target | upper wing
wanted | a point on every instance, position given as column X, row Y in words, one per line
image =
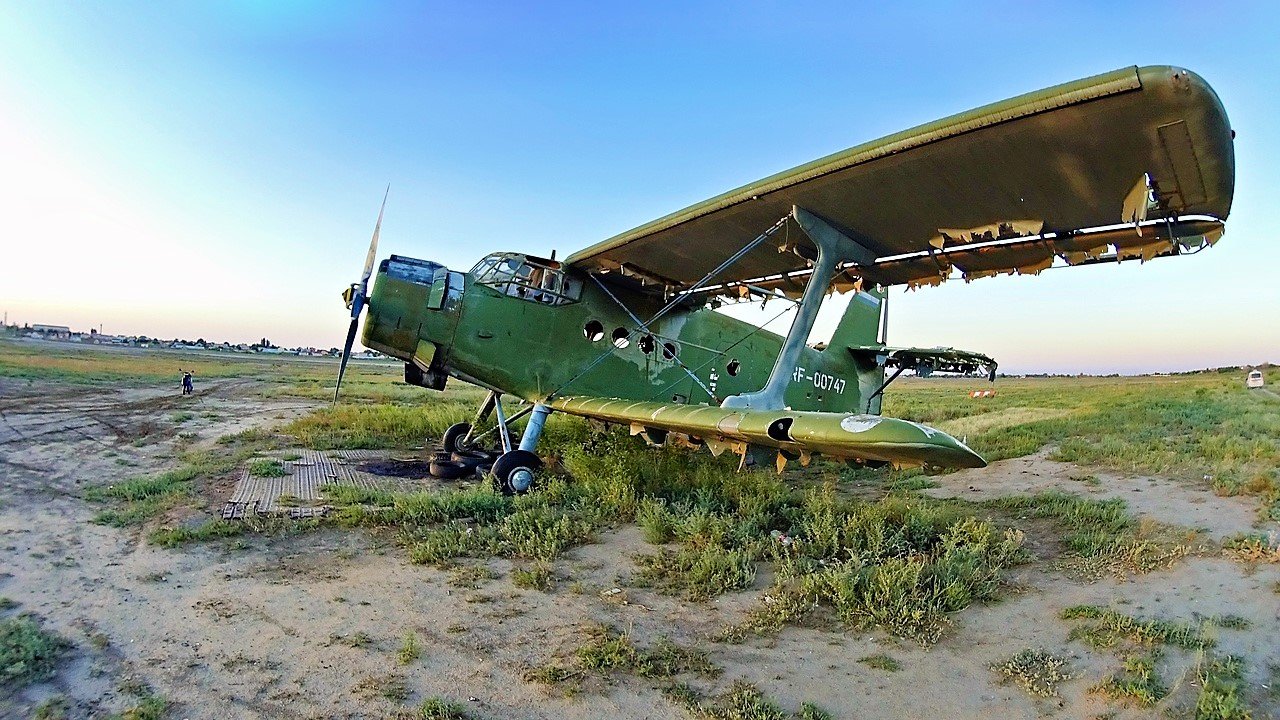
column 1003, row 188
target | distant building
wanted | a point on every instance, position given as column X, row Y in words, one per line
column 59, row 332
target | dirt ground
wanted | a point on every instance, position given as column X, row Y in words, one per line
column 268, row 626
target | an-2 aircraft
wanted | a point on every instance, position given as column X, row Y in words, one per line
column 1132, row 164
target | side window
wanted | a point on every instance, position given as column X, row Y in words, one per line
column 453, row 295
column 439, row 287
column 572, row 289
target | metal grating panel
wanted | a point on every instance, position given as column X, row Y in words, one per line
column 304, row 480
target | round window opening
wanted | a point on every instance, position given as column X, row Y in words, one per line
column 621, row 338
column 593, row 330
column 669, row 351
column 734, row 367
column 647, row 344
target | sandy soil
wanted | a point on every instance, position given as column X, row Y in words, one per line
column 263, row 628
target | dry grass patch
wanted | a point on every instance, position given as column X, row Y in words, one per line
column 1001, row 419
column 1253, row 548
column 742, row 701
column 1101, row 536
column 608, row 651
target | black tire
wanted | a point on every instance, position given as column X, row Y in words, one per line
column 450, row 470
column 471, row 458
column 453, row 437
column 507, row 465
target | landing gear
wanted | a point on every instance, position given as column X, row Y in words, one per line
column 514, row 472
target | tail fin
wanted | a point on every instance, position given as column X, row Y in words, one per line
column 864, row 321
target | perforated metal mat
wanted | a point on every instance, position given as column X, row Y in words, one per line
column 297, row 494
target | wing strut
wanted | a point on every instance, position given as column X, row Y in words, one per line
column 834, row 248
column 719, row 269
column 679, row 298
column 884, row 385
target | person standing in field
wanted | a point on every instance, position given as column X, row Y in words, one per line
column 188, row 387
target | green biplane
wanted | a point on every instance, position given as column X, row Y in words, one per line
column 1133, row 164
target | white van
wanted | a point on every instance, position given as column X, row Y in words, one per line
column 1254, row 380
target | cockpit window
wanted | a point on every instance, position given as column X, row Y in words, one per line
column 527, row 278
column 410, row 269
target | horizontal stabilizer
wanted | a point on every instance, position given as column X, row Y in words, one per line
column 926, row 361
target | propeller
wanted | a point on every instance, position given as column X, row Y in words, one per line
column 356, row 296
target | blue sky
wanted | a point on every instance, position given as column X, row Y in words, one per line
column 215, row 169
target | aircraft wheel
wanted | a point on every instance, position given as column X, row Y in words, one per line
column 452, row 441
column 514, row 472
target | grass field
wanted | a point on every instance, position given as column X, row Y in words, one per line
column 843, row 549
column 1203, row 427
column 284, row 376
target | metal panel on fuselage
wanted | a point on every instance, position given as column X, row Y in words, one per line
column 531, row 349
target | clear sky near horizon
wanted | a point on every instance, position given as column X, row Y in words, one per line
column 214, row 169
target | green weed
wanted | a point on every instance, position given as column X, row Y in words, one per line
column 376, row 425
column 149, row 707
column 469, row 577
column 409, row 650
column 211, row 530
column 902, row 564
column 358, row 639
column 386, row 687
column 1221, row 687
column 608, row 651
column 28, row 653
column 742, row 701
column 54, row 708
column 1101, row 536
column 697, row 573
column 881, row 662
column 1110, row 628
column 435, row 708
column 138, row 500
column 1137, row 683
column 267, row 468
column 1037, row 671
column 536, row 576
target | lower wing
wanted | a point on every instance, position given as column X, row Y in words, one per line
column 857, row 437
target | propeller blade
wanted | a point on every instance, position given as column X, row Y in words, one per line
column 373, row 245
column 346, row 355
column 357, row 295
